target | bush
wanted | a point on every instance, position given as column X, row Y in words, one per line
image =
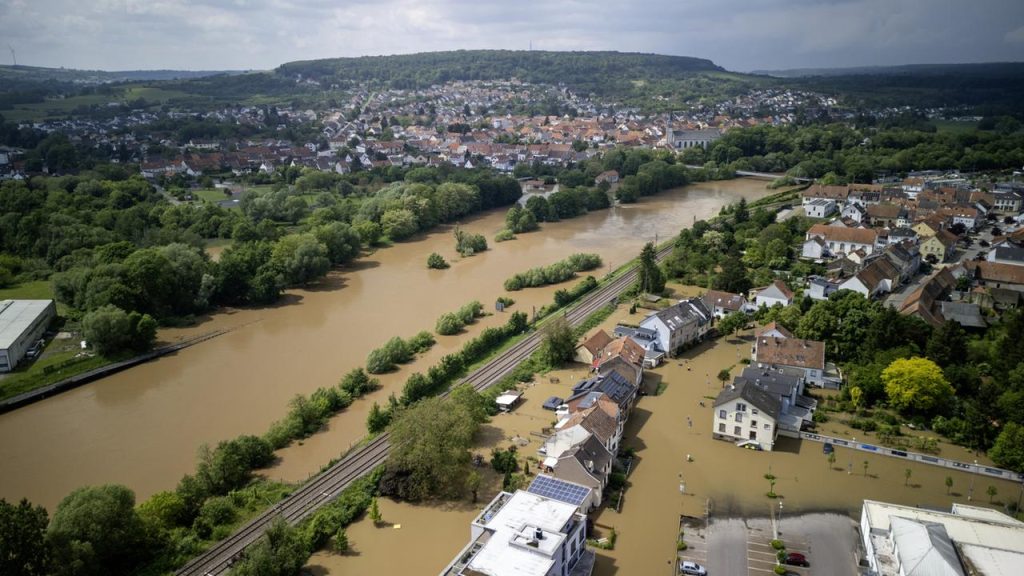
column 553, row 274
column 421, row 342
column 384, row 359
column 436, row 262
column 448, row 324
column 780, row 570
column 778, row 545
column 504, row 236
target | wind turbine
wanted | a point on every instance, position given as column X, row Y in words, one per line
column 14, row 57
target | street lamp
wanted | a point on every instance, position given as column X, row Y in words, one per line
column 780, row 516
column 974, row 472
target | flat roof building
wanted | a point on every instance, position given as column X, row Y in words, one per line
column 22, row 322
column 907, row 541
column 525, row 534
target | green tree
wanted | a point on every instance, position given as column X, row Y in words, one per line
column 281, row 551
column 559, row 343
column 23, row 546
column 473, row 484
column 916, row 385
column 949, row 484
column 107, row 329
column 340, row 541
column 733, row 277
column 96, row 530
column 1008, row 450
column 378, row 419
column 947, row 344
column 301, row 258
column 906, row 475
column 650, row 278
column 399, row 224
column 342, row 242
column 991, row 491
column 375, row 511
column 732, row 323
column 429, row 455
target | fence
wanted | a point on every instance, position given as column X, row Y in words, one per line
column 915, row 457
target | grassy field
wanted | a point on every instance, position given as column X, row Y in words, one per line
column 210, row 194
column 954, row 127
column 63, row 107
column 37, row 290
column 50, row 368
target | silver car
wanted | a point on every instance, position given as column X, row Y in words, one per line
column 692, row 568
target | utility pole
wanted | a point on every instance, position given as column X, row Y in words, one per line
column 14, row 56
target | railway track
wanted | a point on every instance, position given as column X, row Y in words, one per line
column 329, row 483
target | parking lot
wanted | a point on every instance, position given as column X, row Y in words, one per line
column 733, row 546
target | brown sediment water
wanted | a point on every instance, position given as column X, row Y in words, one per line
column 722, row 479
column 142, row 427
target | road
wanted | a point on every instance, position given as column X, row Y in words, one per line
column 329, row 484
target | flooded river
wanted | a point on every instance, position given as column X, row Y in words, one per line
column 142, row 427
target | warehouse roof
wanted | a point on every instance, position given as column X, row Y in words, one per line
column 16, row 316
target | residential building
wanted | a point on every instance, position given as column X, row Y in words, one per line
column 618, row 388
column 820, row 288
column 795, row 409
column 723, row 303
column 836, row 194
column 589, row 351
column 805, row 355
column 1007, row 201
column 682, row 139
column 647, row 339
column 926, row 229
column 22, row 323
column 746, row 412
column 820, row 208
column 997, row 275
column 914, row 541
column 939, row 246
column 1006, row 253
column 526, row 534
column 624, row 356
column 878, row 277
column 773, row 330
column 885, row 215
column 845, row 240
column 679, row 325
column 924, row 301
column 815, row 249
column 854, row 212
column 587, row 463
column 775, row 293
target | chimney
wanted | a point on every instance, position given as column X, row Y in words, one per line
column 590, row 465
column 538, row 534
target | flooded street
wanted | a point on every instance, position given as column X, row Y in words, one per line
column 723, row 479
column 142, row 427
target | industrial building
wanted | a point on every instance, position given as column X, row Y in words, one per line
column 22, row 323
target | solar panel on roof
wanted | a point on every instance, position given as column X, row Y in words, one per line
column 559, row 490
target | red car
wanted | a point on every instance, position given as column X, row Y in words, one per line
column 796, row 559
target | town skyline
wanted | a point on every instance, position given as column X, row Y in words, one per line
column 263, row 34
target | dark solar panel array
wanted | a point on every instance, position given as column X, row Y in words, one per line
column 559, row 490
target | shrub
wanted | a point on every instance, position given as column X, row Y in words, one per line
column 778, row 545
column 436, row 262
column 504, row 236
column 421, row 342
column 553, row 274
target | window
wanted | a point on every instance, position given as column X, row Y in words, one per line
column 753, row 424
column 741, row 407
column 721, row 414
column 739, row 417
column 754, row 411
column 737, row 432
column 721, row 427
column 767, row 426
column 753, row 435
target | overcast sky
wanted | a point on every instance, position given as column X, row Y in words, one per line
column 740, row 35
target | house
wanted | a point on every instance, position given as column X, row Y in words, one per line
column 919, row 541
column 965, row 314
column 924, row 301
column 820, row 208
column 820, row 288
column 1006, row 253
column 745, row 412
column 805, row 355
column 588, row 463
column 899, row 235
column 854, row 212
column 775, row 293
column 646, row 339
column 878, row 277
column 926, row 229
column 997, row 275
column 610, row 176
column 624, row 356
column 1007, row 201
column 618, row 388
column 723, row 303
column 938, row 247
column 680, row 324
column 885, row 215
column 796, row 411
column 773, row 330
column 966, row 215
column 590, row 350
column 845, row 240
column 600, row 419
column 815, row 249
column 527, row 534
column 836, row 194
column 575, row 494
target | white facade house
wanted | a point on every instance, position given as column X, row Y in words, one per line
column 808, row 356
column 523, row 534
column 815, row 249
column 22, row 323
column 820, row 288
column 746, row 412
column 854, row 212
column 722, row 303
column 845, row 240
column 820, row 208
column 913, row 541
column 680, row 324
column 774, row 293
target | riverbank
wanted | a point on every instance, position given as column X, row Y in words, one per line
column 241, row 382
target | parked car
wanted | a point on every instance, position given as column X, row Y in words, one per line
column 828, row 448
column 692, row 568
column 796, row 559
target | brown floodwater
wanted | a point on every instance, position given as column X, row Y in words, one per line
column 142, row 427
column 726, row 480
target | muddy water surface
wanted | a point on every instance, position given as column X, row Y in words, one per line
column 142, row 427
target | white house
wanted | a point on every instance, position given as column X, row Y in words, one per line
column 845, row 240
column 723, row 303
column 679, row 324
column 878, row 277
column 746, row 412
column 820, row 288
column 524, row 534
column 805, row 355
column 854, row 212
column 815, row 249
column 820, row 208
column 774, row 293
